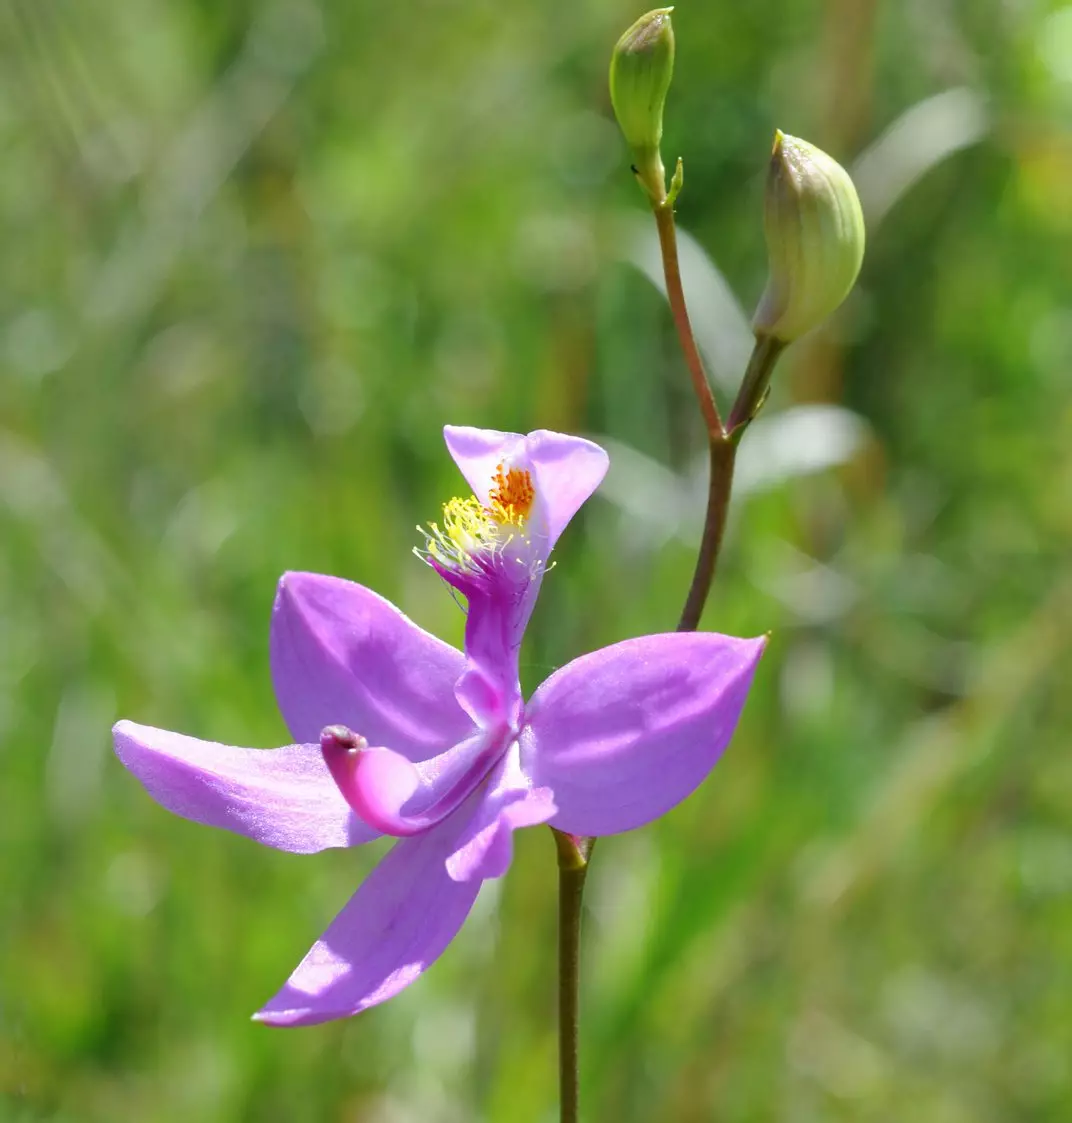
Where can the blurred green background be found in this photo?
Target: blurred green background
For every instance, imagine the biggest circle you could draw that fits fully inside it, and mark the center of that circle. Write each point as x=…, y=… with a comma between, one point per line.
x=256, y=255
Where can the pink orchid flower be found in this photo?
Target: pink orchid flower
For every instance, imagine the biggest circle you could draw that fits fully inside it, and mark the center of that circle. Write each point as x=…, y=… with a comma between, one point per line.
x=397, y=733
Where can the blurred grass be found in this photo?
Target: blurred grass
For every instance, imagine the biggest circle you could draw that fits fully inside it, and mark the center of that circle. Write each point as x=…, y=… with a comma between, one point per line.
x=257, y=255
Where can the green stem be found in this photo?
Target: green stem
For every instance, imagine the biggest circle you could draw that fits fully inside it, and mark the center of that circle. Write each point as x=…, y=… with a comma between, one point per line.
x=723, y=446
x=753, y=391
x=573, y=856
x=722, y=439
x=720, y=482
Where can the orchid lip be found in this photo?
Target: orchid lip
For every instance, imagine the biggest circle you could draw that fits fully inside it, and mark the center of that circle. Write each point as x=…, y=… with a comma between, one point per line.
x=378, y=783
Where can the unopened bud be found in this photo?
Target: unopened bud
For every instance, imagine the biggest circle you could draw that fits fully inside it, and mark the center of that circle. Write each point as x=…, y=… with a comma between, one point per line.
x=640, y=72
x=815, y=239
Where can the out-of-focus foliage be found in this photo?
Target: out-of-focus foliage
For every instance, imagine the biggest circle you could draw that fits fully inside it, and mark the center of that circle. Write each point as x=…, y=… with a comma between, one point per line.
x=255, y=256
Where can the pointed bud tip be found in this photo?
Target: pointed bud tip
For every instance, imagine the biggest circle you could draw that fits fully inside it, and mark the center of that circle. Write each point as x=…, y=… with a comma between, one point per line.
x=815, y=238
x=645, y=34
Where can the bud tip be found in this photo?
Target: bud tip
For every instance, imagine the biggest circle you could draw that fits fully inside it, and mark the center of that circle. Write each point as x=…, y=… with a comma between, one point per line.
x=815, y=238
x=641, y=68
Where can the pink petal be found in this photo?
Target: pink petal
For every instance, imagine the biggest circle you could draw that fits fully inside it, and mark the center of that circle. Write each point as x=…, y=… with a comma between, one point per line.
x=624, y=734
x=566, y=469
x=284, y=798
x=395, y=926
x=341, y=655
x=478, y=452
x=486, y=846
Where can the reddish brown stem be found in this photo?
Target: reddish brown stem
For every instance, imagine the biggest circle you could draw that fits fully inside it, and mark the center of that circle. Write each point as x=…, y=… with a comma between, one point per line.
x=664, y=221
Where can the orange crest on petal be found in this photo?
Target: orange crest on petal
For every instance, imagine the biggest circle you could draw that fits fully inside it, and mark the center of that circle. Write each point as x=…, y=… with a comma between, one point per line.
x=512, y=495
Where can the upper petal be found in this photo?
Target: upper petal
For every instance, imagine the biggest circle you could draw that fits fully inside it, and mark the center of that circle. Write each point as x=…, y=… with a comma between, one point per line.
x=478, y=452
x=624, y=734
x=341, y=655
x=284, y=798
x=566, y=470
x=398, y=923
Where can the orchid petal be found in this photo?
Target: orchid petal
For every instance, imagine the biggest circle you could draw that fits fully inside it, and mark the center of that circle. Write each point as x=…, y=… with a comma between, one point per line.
x=566, y=469
x=343, y=655
x=489, y=694
x=394, y=927
x=284, y=798
x=510, y=801
x=478, y=452
x=626, y=733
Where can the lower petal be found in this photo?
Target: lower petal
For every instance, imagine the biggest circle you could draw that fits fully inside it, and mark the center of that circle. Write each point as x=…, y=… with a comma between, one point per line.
x=510, y=801
x=626, y=733
x=284, y=798
x=394, y=927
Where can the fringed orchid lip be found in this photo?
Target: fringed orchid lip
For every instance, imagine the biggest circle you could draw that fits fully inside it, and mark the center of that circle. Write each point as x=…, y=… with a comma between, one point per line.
x=395, y=796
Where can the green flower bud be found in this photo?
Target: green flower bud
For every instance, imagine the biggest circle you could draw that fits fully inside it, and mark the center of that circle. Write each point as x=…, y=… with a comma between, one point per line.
x=640, y=72
x=815, y=239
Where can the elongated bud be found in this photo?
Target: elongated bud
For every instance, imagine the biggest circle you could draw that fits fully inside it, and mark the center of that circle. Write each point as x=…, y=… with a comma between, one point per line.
x=815, y=239
x=640, y=72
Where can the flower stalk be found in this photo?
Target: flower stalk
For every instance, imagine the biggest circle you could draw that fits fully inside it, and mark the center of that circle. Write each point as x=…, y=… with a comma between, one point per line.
x=755, y=386
x=573, y=857
x=663, y=211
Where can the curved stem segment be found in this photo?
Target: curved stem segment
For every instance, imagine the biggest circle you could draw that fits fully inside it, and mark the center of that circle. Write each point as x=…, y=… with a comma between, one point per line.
x=753, y=391
x=723, y=449
x=723, y=446
x=664, y=221
x=573, y=856
x=720, y=481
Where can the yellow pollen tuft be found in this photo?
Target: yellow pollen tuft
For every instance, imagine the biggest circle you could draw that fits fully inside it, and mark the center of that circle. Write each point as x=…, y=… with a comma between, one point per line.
x=472, y=531
x=467, y=530
x=512, y=494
